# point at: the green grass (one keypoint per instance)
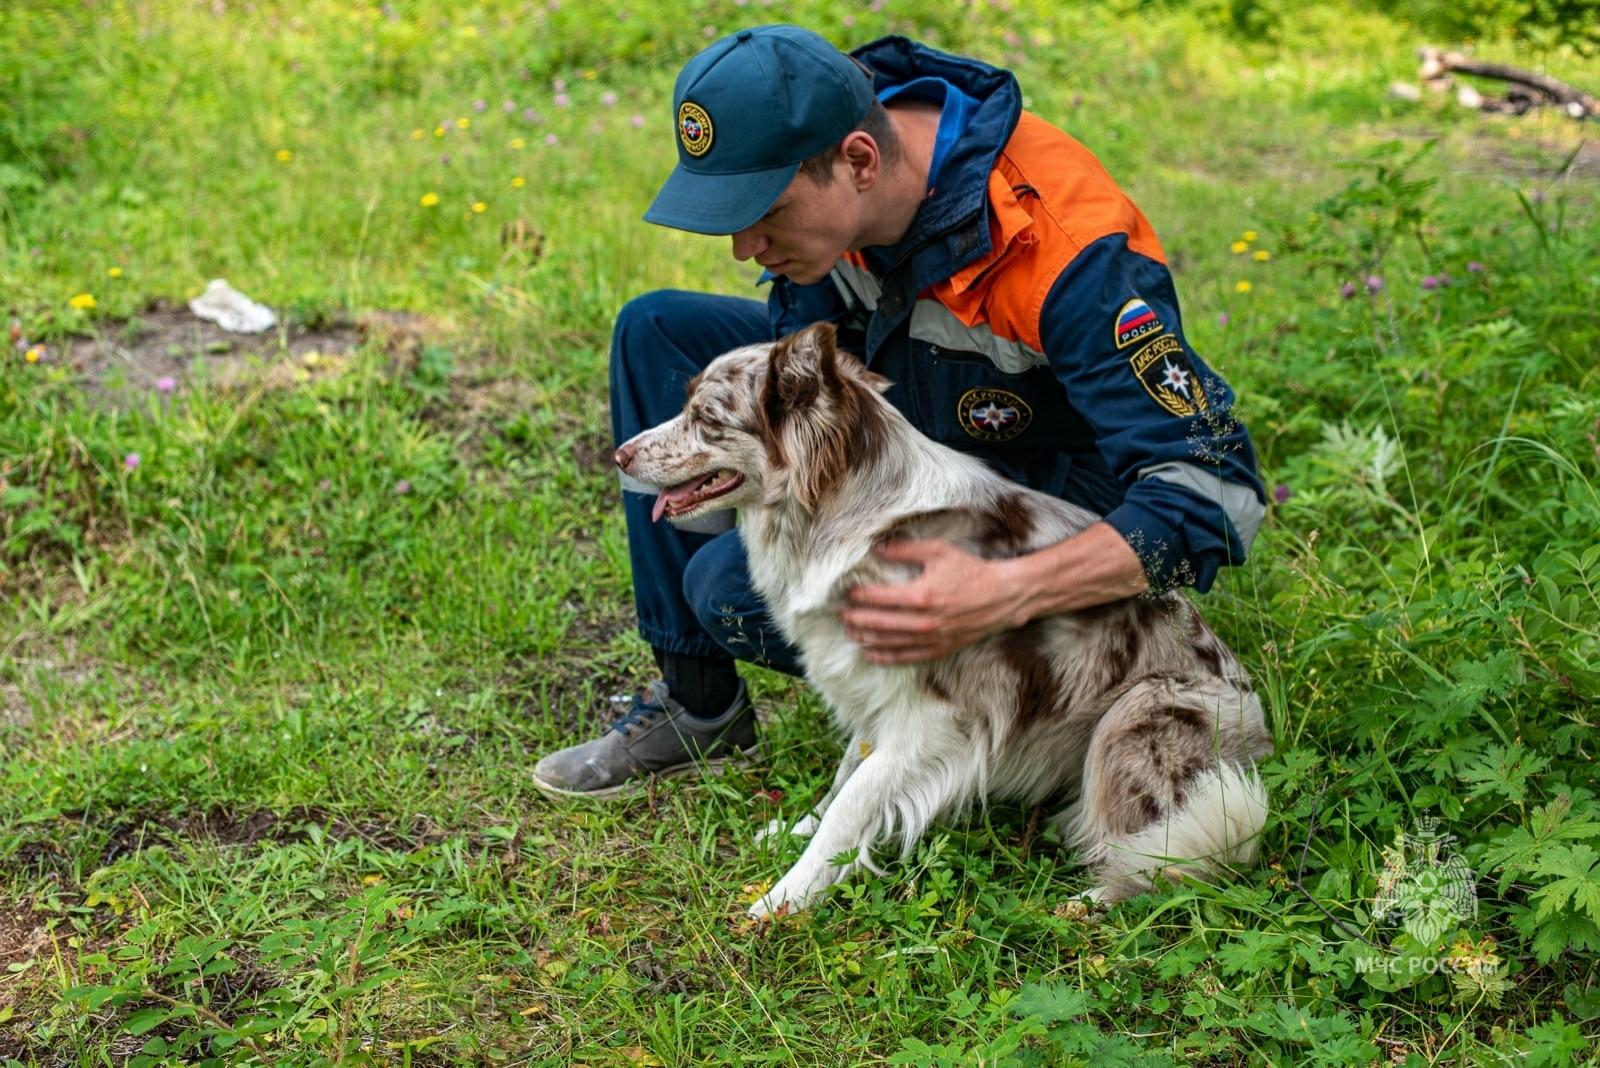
(267, 719)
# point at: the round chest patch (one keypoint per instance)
(694, 129)
(993, 414)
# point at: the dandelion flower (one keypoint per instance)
(1242, 286)
(518, 143)
(1239, 247)
(1261, 255)
(116, 272)
(83, 301)
(438, 131)
(418, 134)
(518, 182)
(1250, 235)
(464, 122)
(283, 155)
(590, 75)
(429, 199)
(479, 207)
(130, 462)
(33, 354)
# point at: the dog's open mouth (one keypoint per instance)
(685, 497)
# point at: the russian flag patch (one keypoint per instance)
(1134, 321)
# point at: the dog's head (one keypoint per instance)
(764, 424)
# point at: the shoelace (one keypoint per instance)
(638, 713)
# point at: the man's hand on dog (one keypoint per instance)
(956, 600)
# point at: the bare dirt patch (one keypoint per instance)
(22, 936)
(167, 341)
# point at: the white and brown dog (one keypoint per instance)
(1136, 705)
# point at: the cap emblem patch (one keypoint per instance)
(694, 129)
(993, 414)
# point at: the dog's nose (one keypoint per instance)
(624, 456)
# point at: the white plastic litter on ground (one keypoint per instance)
(232, 310)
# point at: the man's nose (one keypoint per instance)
(624, 456)
(748, 243)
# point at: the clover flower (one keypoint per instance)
(1374, 283)
(1224, 319)
(509, 106)
(638, 122)
(530, 115)
(1348, 290)
(166, 384)
(1474, 267)
(402, 487)
(551, 139)
(130, 462)
(561, 100)
(1281, 492)
(480, 105)
(609, 99)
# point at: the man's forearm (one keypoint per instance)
(1089, 568)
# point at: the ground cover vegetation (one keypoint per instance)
(284, 623)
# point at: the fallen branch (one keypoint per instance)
(1531, 89)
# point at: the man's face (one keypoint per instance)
(807, 229)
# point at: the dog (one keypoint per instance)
(1134, 706)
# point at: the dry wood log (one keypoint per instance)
(1529, 88)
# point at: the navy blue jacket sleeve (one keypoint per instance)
(1163, 420)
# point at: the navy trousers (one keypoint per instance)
(692, 589)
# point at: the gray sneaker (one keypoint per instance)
(655, 736)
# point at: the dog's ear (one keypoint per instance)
(800, 367)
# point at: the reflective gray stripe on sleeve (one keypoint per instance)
(710, 523)
(1239, 503)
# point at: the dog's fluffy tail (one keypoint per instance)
(1217, 826)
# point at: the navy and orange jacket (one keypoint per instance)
(1028, 318)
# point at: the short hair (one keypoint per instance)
(875, 124)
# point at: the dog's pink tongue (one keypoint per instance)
(677, 493)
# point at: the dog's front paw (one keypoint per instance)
(795, 892)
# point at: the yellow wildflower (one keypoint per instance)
(438, 131)
(517, 142)
(418, 134)
(1242, 286)
(32, 355)
(83, 301)
(1239, 246)
(518, 182)
(1261, 255)
(590, 75)
(463, 122)
(479, 207)
(1250, 235)
(114, 272)
(429, 199)
(283, 155)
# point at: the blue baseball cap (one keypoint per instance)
(748, 111)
